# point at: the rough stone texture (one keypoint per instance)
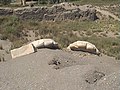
(45, 43)
(59, 12)
(30, 13)
(6, 11)
(72, 15)
(54, 13)
(49, 17)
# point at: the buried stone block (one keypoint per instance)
(24, 50)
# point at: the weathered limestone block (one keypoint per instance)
(38, 43)
(6, 11)
(45, 43)
(24, 50)
(83, 46)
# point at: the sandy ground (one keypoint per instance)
(59, 70)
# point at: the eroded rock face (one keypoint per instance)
(35, 13)
(6, 11)
(56, 12)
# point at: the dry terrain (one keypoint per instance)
(60, 70)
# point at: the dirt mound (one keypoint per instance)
(33, 72)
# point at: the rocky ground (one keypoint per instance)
(60, 70)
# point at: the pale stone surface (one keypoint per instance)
(50, 43)
(83, 46)
(38, 43)
(44, 43)
(24, 50)
(59, 12)
(31, 48)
